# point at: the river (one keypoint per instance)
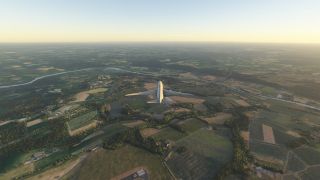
(42, 77)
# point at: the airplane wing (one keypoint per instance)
(153, 102)
(175, 93)
(144, 93)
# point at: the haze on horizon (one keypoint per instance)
(285, 21)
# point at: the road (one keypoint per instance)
(292, 102)
(265, 97)
(274, 98)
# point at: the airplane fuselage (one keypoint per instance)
(160, 92)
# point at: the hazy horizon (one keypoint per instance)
(249, 21)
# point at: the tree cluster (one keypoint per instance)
(241, 155)
(12, 131)
(134, 137)
(53, 134)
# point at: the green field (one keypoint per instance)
(268, 91)
(288, 177)
(138, 102)
(169, 133)
(52, 159)
(268, 154)
(113, 128)
(106, 164)
(17, 172)
(308, 155)
(191, 125)
(17, 168)
(109, 131)
(157, 108)
(294, 164)
(14, 160)
(281, 125)
(282, 137)
(268, 150)
(311, 173)
(209, 144)
(317, 147)
(277, 120)
(82, 120)
(206, 153)
(288, 122)
(291, 116)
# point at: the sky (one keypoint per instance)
(278, 21)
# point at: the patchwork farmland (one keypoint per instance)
(82, 123)
(128, 157)
(274, 141)
(201, 161)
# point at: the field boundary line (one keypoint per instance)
(167, 167)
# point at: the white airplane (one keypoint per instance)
(160, 93)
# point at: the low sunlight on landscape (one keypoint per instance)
(160, 90)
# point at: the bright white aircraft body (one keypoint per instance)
(160, 94)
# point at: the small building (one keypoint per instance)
(141, 172)
(38, 155)
(285, 96)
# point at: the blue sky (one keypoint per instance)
(155, 20)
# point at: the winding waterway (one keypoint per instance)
(66, 72)
(42, 77)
